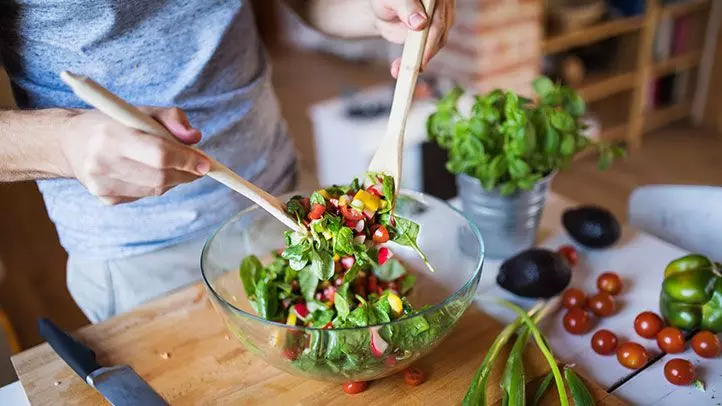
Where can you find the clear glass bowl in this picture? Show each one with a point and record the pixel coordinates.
(345, 354)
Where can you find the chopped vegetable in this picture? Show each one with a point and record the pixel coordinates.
(353, 388)
(414, 376)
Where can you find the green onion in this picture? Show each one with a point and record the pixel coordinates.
(580, 393)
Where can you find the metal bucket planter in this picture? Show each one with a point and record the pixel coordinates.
(508, 224)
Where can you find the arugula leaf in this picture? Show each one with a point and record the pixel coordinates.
(316, 198)
(343, 241)
(308, 283)
(249, 271)
(390, 270)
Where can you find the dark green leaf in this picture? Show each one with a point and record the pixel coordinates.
(343, 241)
(580, 393)
(605, 159)
(518, 168)
(406, 232)
(316, 198)
(542, 389)
(250, 270)
(507, 188)
(321, 264)
(352, 273)
(562, 121)
(308, 283)
(342, 306)
(320, 318)
(390, 270)
(543, 86)
(295, 208)
(267, 298)
(388, 185)
(568, 144)
(407, 284)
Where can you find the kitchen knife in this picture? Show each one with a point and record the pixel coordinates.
(120, 385)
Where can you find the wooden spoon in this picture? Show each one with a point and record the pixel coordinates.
(388, 157)
(120, 110)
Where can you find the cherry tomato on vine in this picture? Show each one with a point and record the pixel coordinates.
(679, 371)
(414, 376)
(648, 324)
(609, 282)
(574, 297)
(602, 304)
(570, 254)
(706, 344)
(353, 388)
(670, 340)
(577, 321)
(604, 342)
(632, 355)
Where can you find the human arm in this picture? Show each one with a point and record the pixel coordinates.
(114, 163)
(389, 18)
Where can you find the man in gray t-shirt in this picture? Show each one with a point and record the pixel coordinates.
(132, 210)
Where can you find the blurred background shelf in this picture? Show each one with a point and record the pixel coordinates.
(648, 59)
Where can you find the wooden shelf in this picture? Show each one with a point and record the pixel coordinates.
(682, 62)
(686, 7)
(594, 33)
(604, 85)
(663, 116)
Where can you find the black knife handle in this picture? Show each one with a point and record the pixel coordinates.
(74, 353)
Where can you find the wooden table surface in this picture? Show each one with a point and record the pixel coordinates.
(206, 366)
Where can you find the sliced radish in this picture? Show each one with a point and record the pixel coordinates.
(301, 310)
(359, 239)
(375, 189)
(384, 255)
(347, 262)
(378, 345)
(369, 214)
(360, 226)
(334, 202)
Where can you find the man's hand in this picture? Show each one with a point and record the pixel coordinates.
(119, 164)
(395, 17)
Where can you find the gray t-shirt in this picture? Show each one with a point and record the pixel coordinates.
(202, 56)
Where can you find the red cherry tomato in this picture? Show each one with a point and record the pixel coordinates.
(604, 342)
(570, 254)
(372, 284)
(317, 211)
(632, 355)
(351, 214)
(414, 376)
(679, 371)
(380, 234)
(574, 297)
(609, 282)
(290, 353)
(706, 344)
(648, 324)
(670, 340)
(576, 321)
(353, 388)
(602, 304)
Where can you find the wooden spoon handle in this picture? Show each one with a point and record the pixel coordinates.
(130, 116)
(388, 157)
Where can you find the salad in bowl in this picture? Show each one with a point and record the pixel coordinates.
(355, 297)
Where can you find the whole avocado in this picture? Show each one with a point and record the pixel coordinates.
(592, 226)
(535, 273)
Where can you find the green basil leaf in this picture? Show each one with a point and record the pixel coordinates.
(562, 121)
(250, 270)
(543, 86)
(390, 270)
(406, 232)
(568, 144)
(580, 393)
(507, 188)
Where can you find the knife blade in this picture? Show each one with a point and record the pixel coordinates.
(120, 384)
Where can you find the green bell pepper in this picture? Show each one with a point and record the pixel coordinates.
(691, 294)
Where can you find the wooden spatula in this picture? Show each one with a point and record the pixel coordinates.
(388, 157)
(125, 113)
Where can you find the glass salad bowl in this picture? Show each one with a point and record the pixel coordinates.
(359, 353)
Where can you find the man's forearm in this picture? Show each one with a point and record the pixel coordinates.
(29, 144)
(337, 18)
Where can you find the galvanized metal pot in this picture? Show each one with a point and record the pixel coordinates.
(508, 224)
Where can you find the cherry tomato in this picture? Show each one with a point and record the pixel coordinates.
(602, 304)
(351, 214)
(373, 283)
(290, 353)
(632, 355)
(570, 254)
(414, 376)
(576, 321)
(574, 297)
(670, 340)
(604, 342)
(706, 344)
(353, 388)
(609, 282)
(306, 203)
(317, 211)
(648, 324)
(380, 234)
(679, 371)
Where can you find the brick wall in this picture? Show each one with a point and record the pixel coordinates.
(494, 44)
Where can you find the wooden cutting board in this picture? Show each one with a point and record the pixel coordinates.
(180, 346)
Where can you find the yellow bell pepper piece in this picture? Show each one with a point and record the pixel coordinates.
(336, 257)
(395, 302)
(291, 321)
(370, 200)
(324, 193)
